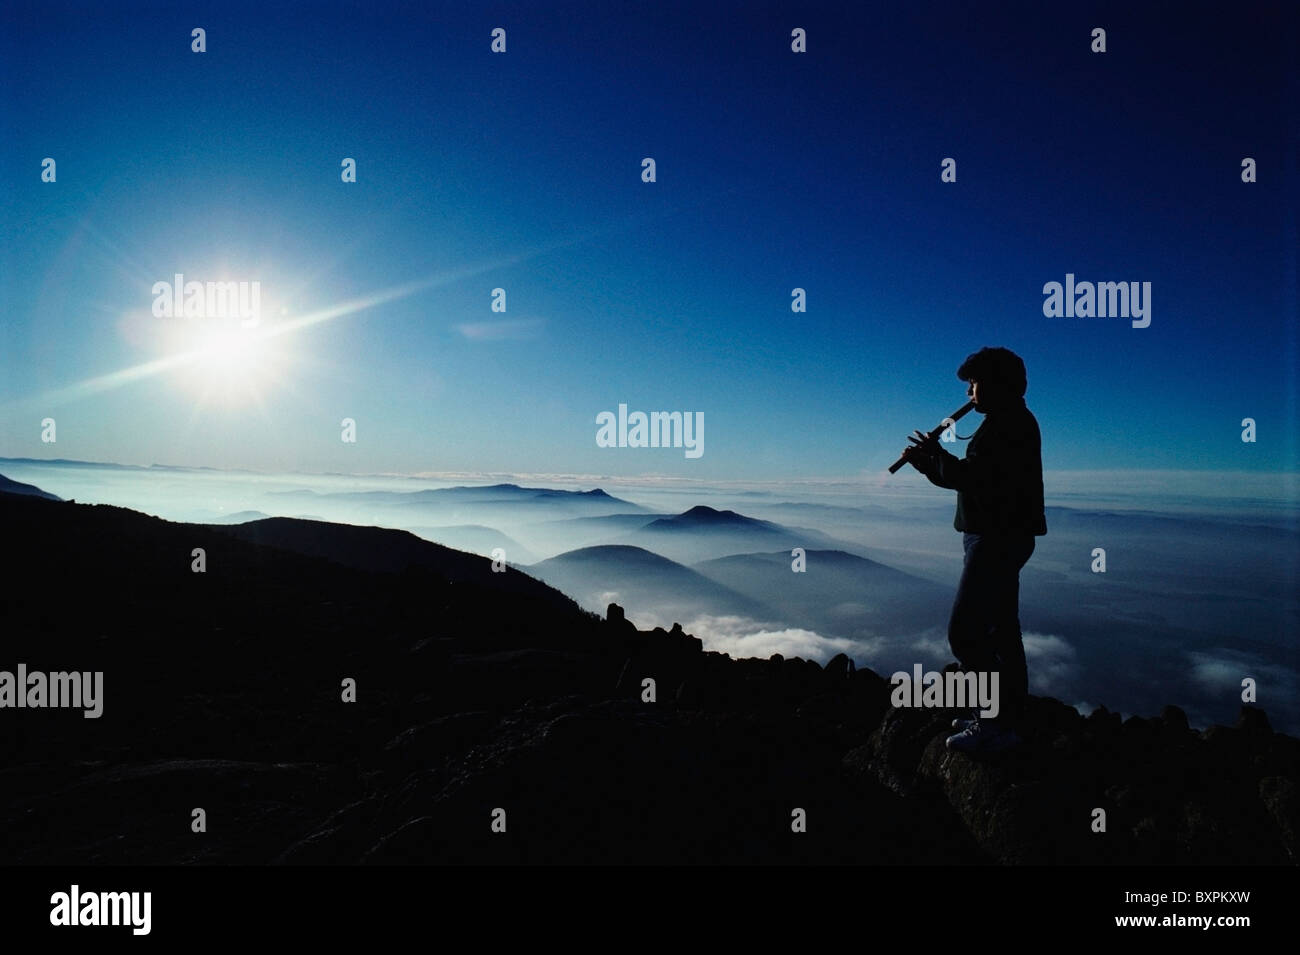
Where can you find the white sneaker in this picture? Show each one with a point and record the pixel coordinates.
(981, 738)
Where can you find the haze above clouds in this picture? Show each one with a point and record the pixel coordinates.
(1192, 600)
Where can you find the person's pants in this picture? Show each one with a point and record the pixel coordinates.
(984, 629)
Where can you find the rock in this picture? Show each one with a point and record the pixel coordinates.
(1220, 736)
(421, 747)
(840, 667)
(1174, 719)
(893, 751)
(1279, 797)
(626, 679)
(480, 690)
(1051, 717)
(1103, 720)
(1253, 720)
(688, 694)
(633, 639)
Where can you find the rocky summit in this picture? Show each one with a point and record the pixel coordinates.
(328, 694)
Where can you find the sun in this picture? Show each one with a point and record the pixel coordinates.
(227, 351)
(227, 362)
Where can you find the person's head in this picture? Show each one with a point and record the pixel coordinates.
(995, 377)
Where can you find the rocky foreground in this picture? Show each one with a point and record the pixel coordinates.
(489, 701)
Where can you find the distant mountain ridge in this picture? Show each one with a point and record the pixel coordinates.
(704, 532)
(704, 516)
(641, 579)
(837, 593)
(17, 487)
(240, 517)
(491, 492)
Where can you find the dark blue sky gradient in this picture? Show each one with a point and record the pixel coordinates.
(775, 170)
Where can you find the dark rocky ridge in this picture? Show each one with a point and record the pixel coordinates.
(8, 486)
(479, 690)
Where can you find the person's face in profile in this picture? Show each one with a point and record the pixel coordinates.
(985, 395)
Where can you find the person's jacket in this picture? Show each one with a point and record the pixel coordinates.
(999, 483)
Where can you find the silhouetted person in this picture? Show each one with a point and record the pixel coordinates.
(999, 487)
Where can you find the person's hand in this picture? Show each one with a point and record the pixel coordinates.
(920, 453)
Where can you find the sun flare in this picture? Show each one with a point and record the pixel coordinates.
(227, 361)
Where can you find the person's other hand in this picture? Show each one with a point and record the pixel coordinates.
(920, 453)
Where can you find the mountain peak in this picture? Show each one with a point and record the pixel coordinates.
(705, 518)
(702, 513)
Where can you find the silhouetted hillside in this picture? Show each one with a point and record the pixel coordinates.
(477, 691)
(387, 550)
(477, 539)
(16, 487)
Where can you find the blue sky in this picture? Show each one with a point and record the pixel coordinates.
(523, 171)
